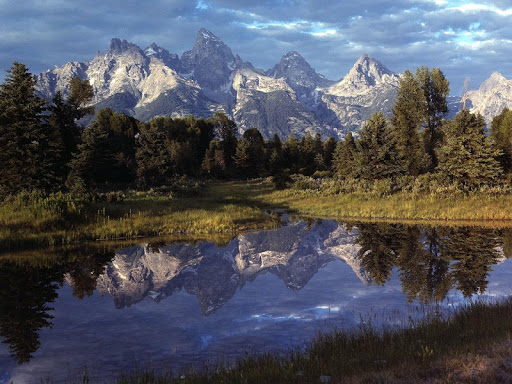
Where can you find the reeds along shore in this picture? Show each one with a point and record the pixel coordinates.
(441, 349)
(30, 220)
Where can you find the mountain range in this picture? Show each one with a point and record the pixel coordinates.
(289, 98)
(213, 274)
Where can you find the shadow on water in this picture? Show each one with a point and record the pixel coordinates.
(429, 262)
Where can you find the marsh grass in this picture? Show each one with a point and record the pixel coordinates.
(367, 354)
(31, 220)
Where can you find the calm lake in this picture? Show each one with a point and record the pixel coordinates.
(188, 303)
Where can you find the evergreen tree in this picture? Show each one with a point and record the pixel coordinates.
(501, 133)
(152, 156)
(249, 156)
(213, 164)
(472, 252)
(344, 157)
(63, 120)
(27, 155)
(308, 150)
(106, 154)
(328, 151)
(380, 247)
(435, 88)
(275, 155)
(467, 157)
(377, 153)
(408, 114)
(226, 131)
(292, 154)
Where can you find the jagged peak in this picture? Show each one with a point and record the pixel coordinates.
(153, 49)
(497, 76)
(119, 46)
(367, 64)
(204, 34)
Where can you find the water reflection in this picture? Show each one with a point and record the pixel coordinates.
(28, 289)
(429, 262)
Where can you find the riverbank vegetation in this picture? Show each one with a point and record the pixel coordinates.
(473, 344)
(118, 177)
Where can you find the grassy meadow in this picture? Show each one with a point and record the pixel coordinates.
(227, 207)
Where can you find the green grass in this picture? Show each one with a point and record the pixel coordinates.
(228, 207)
(365, 354)
(402, 206)
(225, 208)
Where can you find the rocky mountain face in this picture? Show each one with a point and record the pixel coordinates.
(289, 98)
(494, 94)
(213, 274)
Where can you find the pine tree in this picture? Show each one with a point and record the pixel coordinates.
(27, 157)
(501, 133)
(408, 114)
(249, 156)
(435, 88)
(226, 131)
(377, 153)
(328, 151)
(292, 154)
(344, 157)
(213, 164)
(467, 158)
(152, 156)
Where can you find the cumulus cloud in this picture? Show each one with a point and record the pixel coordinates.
(471, 34)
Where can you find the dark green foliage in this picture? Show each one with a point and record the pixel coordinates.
(152, 156)
(106, 154)
(250, 156)
(501, 133)
(226, 130)
(467, 157)
(171, 147)
(435, 88)
(377, 153)
(28, 147)
(291, 154)
(213, 164)
(408, 115)
(380, 248)
(63, 120)
(329, 146)
(344, 157)
(474, 252)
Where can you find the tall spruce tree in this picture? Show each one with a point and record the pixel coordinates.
(467, 157)
(249, 156)
(344, 157)
(27, 155)
(226, 131)
(377, 153)
(435, 88)
(501, 133)
(63, 120)
(408, 115)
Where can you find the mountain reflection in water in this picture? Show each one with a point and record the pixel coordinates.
(428, 262)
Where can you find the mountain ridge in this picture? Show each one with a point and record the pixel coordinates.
(289, 98)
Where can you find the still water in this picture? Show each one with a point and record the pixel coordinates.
(187, 303)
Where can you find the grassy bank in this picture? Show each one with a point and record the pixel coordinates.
(473, 345)
(401, 206)
(227, 208)
(224, 208)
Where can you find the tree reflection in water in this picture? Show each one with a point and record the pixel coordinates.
(27, 290)
(431, 261)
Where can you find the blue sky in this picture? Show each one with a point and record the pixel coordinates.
(464, 38)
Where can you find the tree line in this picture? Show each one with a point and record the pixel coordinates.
(45, 148)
